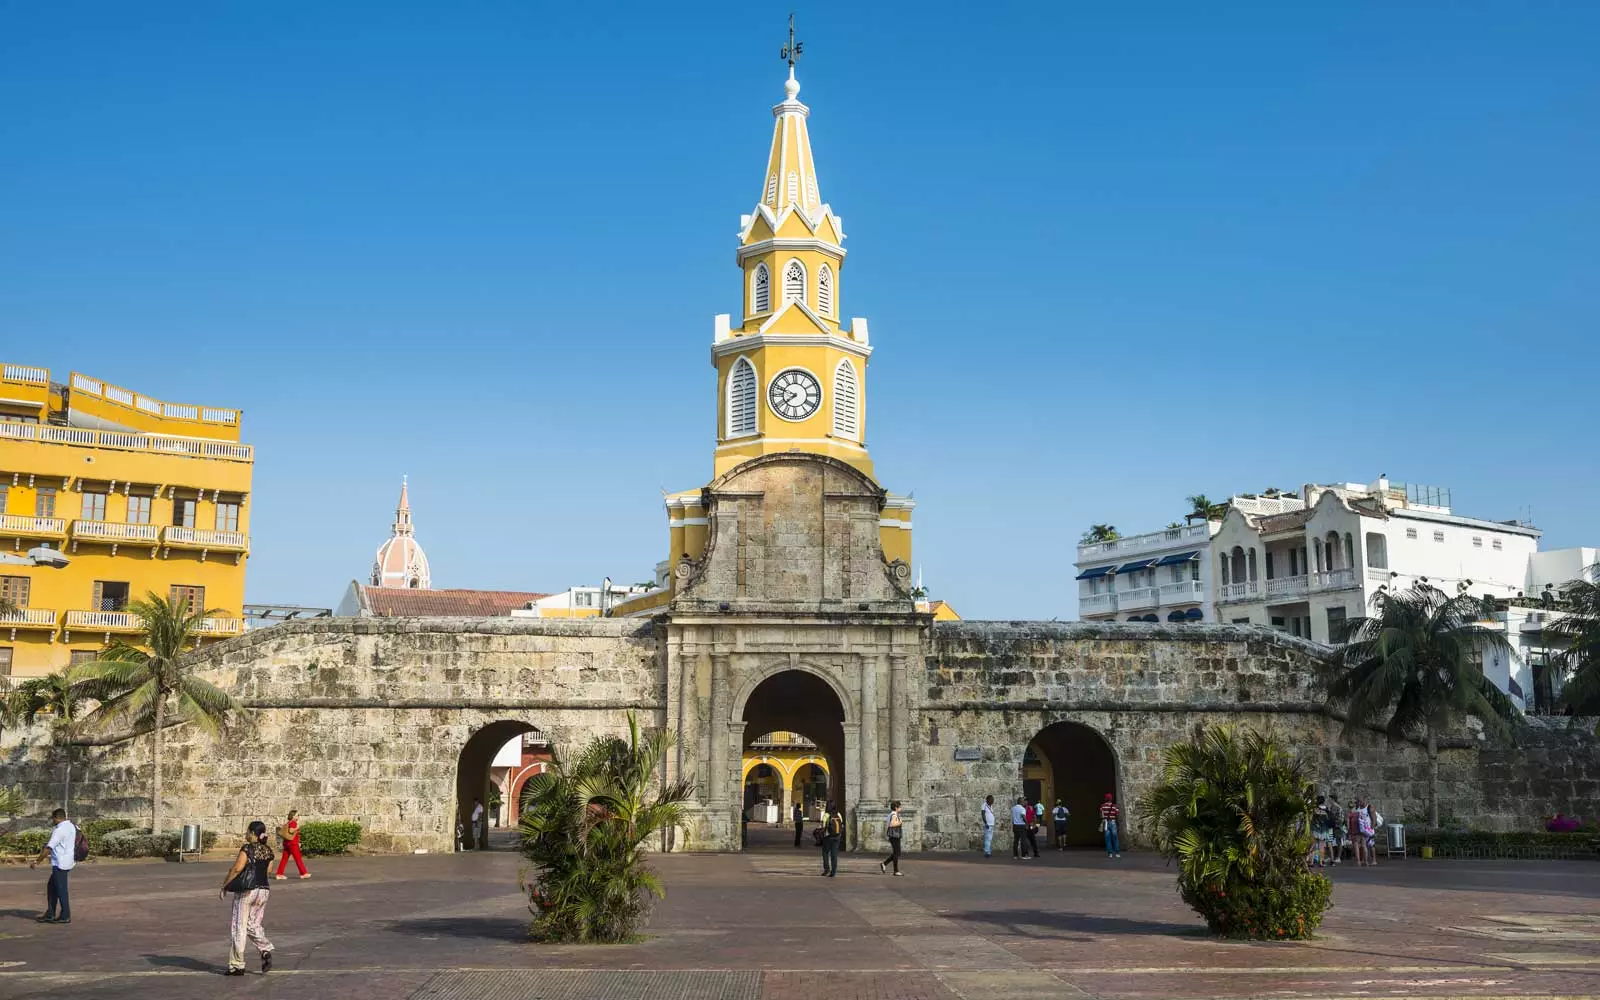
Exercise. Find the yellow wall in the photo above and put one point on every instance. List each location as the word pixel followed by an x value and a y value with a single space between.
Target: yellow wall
pixel 152 556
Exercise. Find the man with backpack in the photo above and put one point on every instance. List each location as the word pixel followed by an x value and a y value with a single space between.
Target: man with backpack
pixel 832 833
pixel 66 848
pixel 1058 818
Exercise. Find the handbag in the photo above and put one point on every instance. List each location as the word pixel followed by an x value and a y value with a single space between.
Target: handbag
pixel 1102 826
pixel 246 879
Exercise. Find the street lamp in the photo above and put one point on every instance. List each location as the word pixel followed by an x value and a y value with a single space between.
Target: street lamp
pixel 41 556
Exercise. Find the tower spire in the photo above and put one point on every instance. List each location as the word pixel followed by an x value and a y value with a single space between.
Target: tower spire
pixel 402 513
pixel 791 177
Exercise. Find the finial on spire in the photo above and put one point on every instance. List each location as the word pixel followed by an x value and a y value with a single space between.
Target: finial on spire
pixel 789 53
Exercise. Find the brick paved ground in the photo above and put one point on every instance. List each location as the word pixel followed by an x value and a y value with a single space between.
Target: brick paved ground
pixel 764 925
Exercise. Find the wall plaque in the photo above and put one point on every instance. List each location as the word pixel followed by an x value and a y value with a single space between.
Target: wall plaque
pixel 969 753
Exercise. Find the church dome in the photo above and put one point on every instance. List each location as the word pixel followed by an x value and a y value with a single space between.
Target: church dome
pixel 401 564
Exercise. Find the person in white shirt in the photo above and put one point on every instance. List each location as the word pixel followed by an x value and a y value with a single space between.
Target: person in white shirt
pixel 1019 830
pixel 480 832
pixel 988 824
pixel 61 852
pixel 1058 818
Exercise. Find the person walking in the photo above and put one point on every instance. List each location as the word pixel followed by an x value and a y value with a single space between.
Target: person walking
pixel 892 827
pixel 480 832
pixel 62 853
pixel 1108 825
pixel 1374 824
pixel 1035 817
pixel 1019 830
pixel 1058 818
pixel 799 823
pixel 289 835
pixel 247 882
pixel 988 825
pixel 1322 822
pixel 832 833
pixel 1336 816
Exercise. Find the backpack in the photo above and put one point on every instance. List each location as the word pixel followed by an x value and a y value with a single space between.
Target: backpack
pixel 834 826
pixel 80 846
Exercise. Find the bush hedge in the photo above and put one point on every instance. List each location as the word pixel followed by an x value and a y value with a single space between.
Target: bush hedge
pixel 333 837
pixel 141 843
pixel 1513 844
pixel 29 841
pixel 1250 910
pixel 96 829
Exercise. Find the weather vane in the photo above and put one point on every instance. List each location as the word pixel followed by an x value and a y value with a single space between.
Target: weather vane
pixel 789 53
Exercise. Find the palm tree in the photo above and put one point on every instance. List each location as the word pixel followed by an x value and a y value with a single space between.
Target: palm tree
pixel 585 833
pixel 139 680
pixel 1418 661
pixel 59 697
pixel 1099 533
pixel 1579 630
pixel 1201 507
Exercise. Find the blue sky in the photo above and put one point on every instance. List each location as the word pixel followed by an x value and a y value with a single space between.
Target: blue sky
pixel 1111 255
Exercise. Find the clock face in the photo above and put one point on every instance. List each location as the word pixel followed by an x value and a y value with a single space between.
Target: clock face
pixel 794 394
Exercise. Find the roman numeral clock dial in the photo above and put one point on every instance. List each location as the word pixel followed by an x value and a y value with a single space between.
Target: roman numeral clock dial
pixel 794 394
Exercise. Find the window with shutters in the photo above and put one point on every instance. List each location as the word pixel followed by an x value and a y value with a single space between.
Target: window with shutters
pixel 794 281
pixel 78 657
pixel 811 188
pixel 94 507
pixel 227 516
pixel 194 598
pixel 846 416
pixel 772 190
pixel 5 661
pixel 825 291
pixel 14 590
pixel 742 399
pixel 44 502
pixel 4 490
pixel 794 186
pixel 109 595
pixel 761 290
pixel 183 511
pixel 138 509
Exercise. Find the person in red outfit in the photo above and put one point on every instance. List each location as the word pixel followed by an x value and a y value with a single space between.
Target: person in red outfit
pixel 289 833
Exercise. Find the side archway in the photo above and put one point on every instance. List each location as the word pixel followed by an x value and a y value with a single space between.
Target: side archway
pixel 1074 763
pixel 473 780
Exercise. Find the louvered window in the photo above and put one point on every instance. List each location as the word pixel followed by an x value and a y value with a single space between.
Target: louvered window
pixel 846 419
pixel 825 291
pixel 811 189
pixel 794 186
pixel 742 399
pixel 761 290
pixel 794 281
pixel 772 190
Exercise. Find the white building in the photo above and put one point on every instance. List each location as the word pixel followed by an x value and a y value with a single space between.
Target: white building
pixel 1524 620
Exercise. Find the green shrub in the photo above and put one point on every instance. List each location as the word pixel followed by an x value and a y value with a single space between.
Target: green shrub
pixel 1233 808
pixel 141 843
pixel 96 829
pixel 1512 844
pixel 334 837
pixel 29 841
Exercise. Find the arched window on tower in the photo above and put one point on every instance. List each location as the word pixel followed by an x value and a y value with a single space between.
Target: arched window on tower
pixel 794 281
pixel 825 290
pixel 772 191
pixel 742 399
pixel 794 188
pixel 761 290
pixel 846 404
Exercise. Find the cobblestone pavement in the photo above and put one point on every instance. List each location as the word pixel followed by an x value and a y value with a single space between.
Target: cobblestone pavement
pixel 765 925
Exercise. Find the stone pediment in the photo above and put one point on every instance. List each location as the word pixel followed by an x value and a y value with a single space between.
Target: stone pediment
pixel 794 532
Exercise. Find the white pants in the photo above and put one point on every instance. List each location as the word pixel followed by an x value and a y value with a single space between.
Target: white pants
pixel 248 909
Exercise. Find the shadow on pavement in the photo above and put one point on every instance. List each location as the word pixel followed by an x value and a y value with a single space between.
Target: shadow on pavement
pixel 184 962
pixel 490 928
pixel 1022 922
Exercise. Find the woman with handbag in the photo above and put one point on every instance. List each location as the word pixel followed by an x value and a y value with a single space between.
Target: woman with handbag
pixel 893 827
pixel 247 882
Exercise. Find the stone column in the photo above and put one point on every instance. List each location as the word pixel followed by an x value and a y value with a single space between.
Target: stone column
pixel 718 726
pixel 849 799
pixel 899 720
pixel 871 787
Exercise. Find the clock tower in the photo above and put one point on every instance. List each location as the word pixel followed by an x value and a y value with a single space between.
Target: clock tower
pixel 791 374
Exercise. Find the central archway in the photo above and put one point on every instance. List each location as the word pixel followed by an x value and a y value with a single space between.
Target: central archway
pixel 798 703
pixel 1073 763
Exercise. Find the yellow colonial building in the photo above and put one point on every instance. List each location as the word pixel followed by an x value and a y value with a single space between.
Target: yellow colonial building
pixel 107 494
pixel 791 372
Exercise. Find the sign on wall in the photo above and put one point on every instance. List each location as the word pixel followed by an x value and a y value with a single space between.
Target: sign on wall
pixel 969 753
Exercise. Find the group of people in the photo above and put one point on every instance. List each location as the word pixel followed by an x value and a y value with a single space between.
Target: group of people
pixel 247 882
pixel 1333 828
pixel 1027 818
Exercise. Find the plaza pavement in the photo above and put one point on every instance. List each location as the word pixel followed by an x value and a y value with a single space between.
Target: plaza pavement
pixel 765 925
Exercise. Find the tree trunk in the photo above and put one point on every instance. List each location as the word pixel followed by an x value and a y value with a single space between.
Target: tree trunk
pixel 66 791
pixel 1433 778
pixel 155 754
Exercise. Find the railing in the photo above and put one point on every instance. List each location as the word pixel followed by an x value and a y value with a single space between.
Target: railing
pixel 1379 574
pixel 1287 586
pixel 155 407
pixel 24 374
pixel 1149 540
pixel 1139 597
pixel 205 538
pixel 1095 603
pixel 220 626
pixel 126 441
pixel 29 616
pixel 26 524
pixel 1186 592
pixel 115 531
pixel 1238 591
pixel 104 621
pixel 1334 579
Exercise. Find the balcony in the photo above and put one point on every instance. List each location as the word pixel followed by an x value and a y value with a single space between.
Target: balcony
pixel 1194 534
pixel 1378 574
pixel 1247 591
pixel 127 441
pixel 205 540
pixel 1139 597
pixel 115 532
pixel 1288 586
pixel 1187 592
pixel 27 526
pixel 220 626
pixel 101 621
pixel 134 409
pixel 1095 604
pixel 1334 579
pixel 28 618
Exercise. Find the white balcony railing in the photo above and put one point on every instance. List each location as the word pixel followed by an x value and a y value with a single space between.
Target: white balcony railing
pixel 115 531
pixel 29 618
pixel 1334 579
pixel 27 524
pixel 103 621
pixel 205 538
pixel 1089 604
pixel 1380 575
pixel 25 374
pixel 1195 533
pixel 220 626
pixel 160 444
pixel 1288 586
pixel 1139 597
pixel 1239 591
pixel 1187 592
